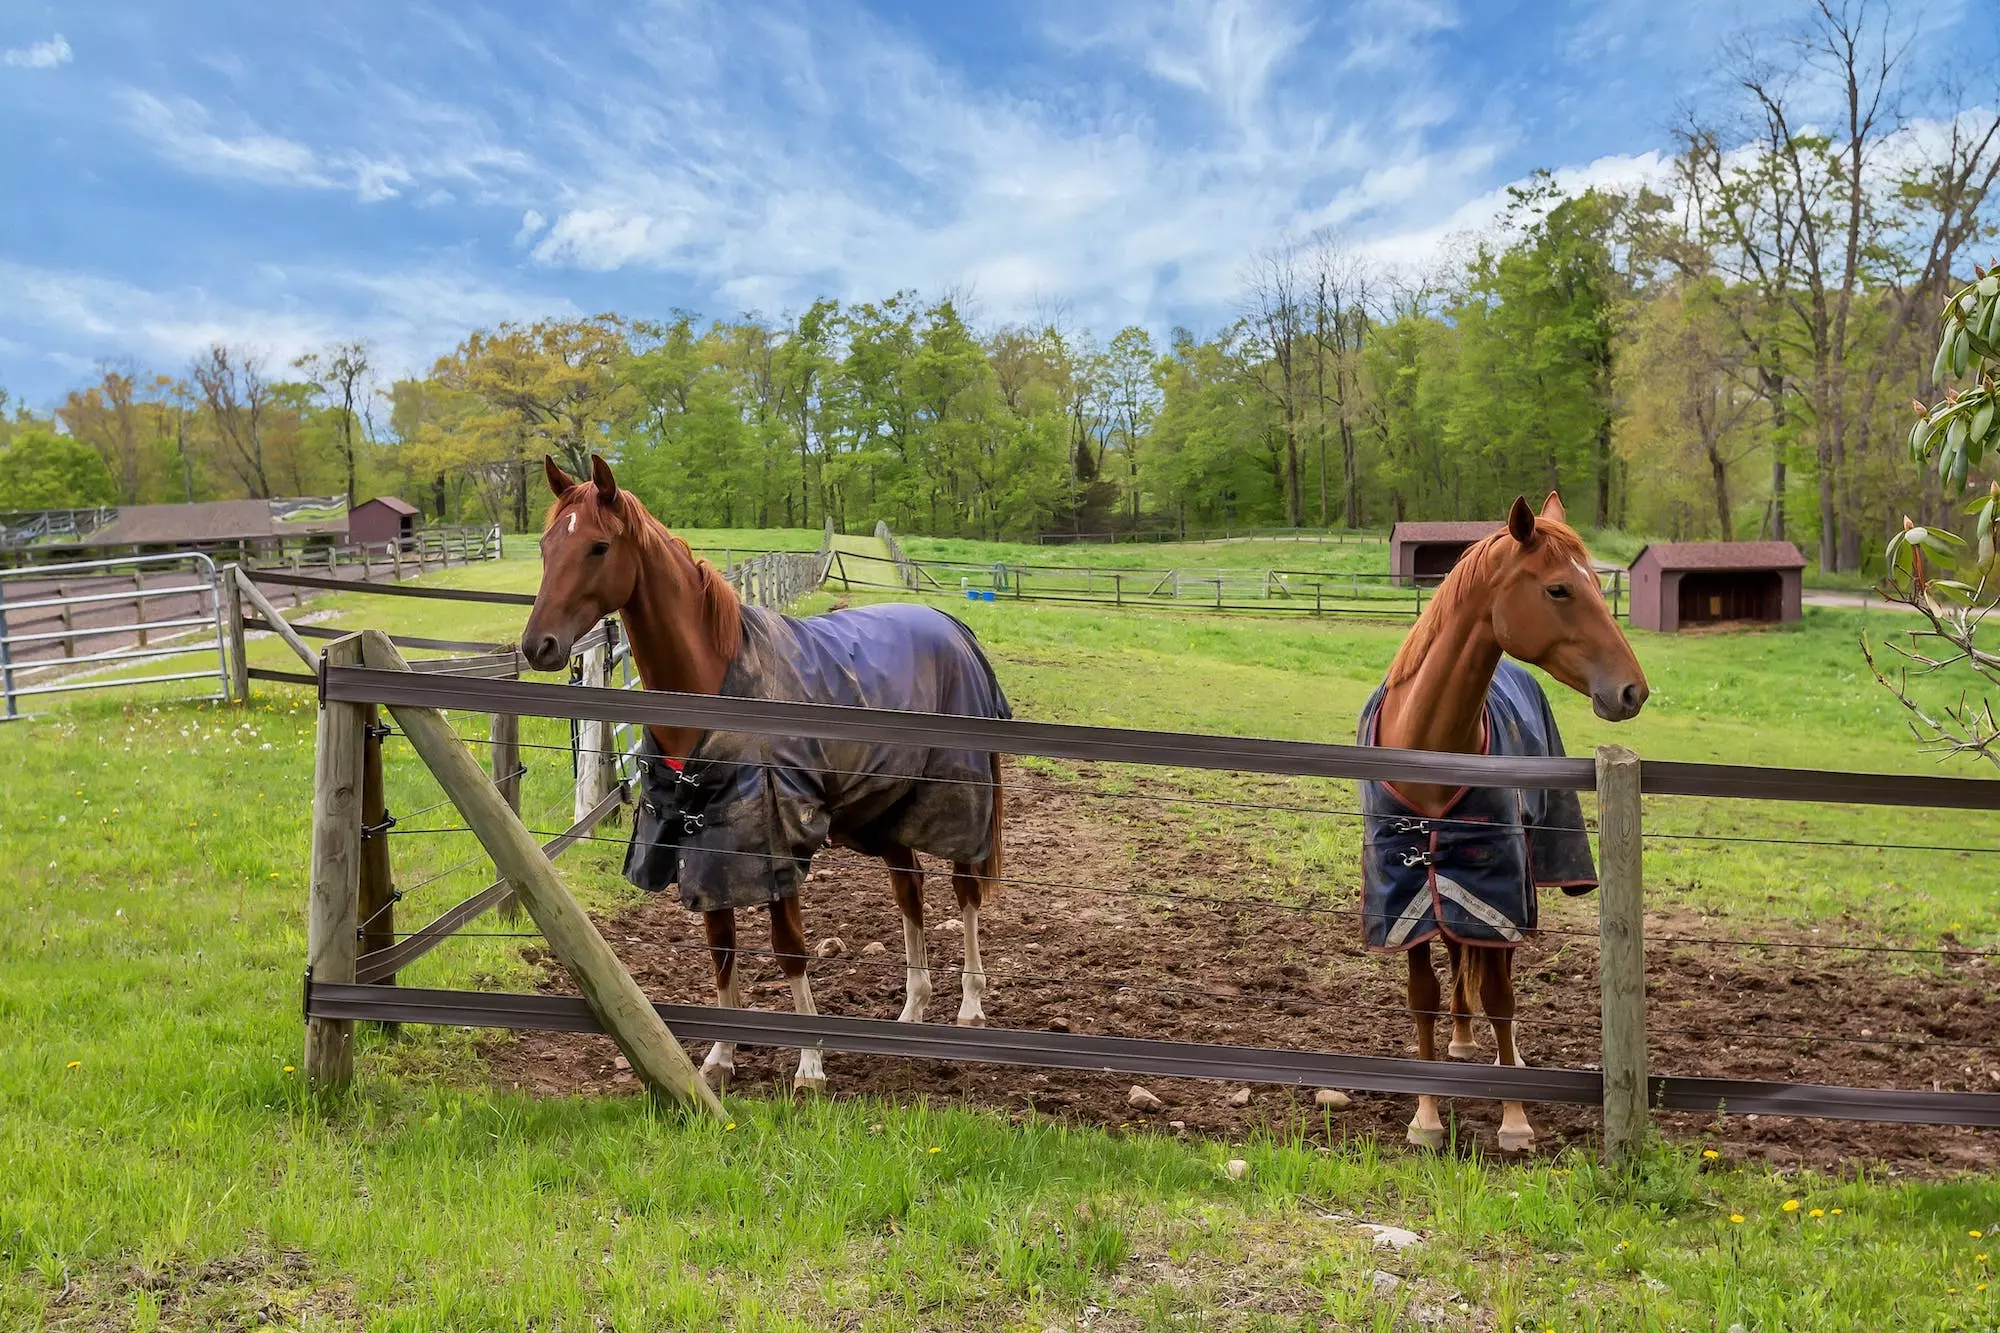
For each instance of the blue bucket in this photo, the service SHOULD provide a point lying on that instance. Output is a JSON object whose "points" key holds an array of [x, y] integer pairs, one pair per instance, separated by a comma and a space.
{"points": [[988, 595]]}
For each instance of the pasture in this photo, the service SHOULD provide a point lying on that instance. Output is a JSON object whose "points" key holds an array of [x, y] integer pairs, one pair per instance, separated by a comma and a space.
{"points": [[165, 1169]]}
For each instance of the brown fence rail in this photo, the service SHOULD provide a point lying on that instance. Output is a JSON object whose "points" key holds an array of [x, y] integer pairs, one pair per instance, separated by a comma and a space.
{"points": [[1625, 1088]]}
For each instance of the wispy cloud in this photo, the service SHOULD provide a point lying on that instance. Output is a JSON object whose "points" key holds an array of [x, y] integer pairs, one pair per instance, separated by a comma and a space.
{"points": [[40, 55]]}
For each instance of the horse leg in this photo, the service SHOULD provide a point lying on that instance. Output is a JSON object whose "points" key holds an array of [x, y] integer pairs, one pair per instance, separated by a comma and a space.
{"points": [[1462, 1044], [907, 879], [967, 884], [721, 927], [788, 942], [1496, 997], [1427, 1130]]}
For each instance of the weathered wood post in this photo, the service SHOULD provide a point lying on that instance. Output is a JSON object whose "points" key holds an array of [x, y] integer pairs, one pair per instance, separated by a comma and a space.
{"points": [[507, 780], [139, 605], [1621, 915], [615, 998], [593, 739], [67, 615], [336, 872], [239, 665], [376, 897], [279, 625]]}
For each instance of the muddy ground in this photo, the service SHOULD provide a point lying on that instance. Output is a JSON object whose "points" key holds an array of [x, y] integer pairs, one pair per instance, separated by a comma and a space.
{"points": [[1094, 946]]}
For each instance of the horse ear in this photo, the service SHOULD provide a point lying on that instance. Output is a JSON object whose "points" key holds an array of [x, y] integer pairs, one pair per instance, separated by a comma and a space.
{"points": [[1552, 509], [600, 472], [1521, 521], [560, 481]]}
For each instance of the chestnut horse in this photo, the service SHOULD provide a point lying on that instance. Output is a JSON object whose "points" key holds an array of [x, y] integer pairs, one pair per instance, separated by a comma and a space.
{"points": [[736, 818], [1527, 591]]}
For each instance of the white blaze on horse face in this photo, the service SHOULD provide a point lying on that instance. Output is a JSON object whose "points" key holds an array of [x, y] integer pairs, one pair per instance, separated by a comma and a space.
{"points": [[572, 520]]}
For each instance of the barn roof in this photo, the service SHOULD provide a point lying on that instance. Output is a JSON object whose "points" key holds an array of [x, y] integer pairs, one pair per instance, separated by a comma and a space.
{"points": [[390, 503], [1680, 556], [215, 521], [1444, 532]]}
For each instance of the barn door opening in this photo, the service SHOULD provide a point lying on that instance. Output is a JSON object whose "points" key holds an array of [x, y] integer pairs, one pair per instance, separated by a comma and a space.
{"points": [[1731, 595]]}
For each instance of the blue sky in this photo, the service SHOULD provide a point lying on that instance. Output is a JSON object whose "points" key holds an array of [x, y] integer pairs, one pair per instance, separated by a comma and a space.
{"points": [[286, 175]]}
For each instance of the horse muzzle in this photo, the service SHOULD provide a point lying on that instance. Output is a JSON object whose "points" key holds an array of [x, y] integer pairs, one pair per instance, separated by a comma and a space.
{"points": [[1619, 701], [545, 652]]}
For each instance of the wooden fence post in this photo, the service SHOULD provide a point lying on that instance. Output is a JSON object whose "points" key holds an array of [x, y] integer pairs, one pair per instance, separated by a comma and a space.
{"points": [[623, 1009], [507, 778], [139, 605], [336, 872], [593, 739], [376, 896], [239, 665], [1621, 914]]}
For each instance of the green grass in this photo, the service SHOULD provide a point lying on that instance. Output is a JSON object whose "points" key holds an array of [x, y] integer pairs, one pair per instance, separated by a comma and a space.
{"points": [[152, 1137]]}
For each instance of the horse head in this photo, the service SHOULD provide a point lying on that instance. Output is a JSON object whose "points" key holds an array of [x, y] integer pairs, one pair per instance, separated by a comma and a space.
{"points": [[1547, 609], [590, 563]]}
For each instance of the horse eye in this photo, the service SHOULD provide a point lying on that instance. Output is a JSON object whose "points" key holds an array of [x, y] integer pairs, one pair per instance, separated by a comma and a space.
{"points": [[1559, 591], [599, 548]]}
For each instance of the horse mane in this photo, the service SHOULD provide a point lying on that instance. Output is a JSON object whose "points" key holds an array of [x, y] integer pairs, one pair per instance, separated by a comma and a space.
{"points": [[718, 606], [1468, 574]]}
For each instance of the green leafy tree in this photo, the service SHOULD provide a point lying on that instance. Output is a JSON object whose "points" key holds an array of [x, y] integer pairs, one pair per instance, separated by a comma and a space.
{"points": [[43, 470]]}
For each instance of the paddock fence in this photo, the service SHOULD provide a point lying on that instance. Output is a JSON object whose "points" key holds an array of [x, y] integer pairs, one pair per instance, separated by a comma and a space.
{"points": [[342, 987], [79, 626]]}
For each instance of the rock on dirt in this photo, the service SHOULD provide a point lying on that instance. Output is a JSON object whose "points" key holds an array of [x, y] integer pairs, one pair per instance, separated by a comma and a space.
{"points": [[1333, 1099], [1385, 1282], [1236, 1168], [1058, 1025], [1139, 1099], [621, 1064], [1392, 1238], [1240, 1097], [951, 925], [832, 947], [874, 949]]}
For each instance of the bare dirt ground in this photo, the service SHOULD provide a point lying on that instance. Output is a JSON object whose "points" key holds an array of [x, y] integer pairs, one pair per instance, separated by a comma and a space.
{"points": [[1103, 956]]}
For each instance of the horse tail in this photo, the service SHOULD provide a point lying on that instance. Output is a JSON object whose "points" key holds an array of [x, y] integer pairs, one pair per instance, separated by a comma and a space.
{"points": [[1468, 977], [990, 866]]}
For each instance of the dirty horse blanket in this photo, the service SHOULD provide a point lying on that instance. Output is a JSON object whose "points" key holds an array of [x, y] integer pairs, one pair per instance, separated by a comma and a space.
{"points": [[737, 824], [1471, 873]]}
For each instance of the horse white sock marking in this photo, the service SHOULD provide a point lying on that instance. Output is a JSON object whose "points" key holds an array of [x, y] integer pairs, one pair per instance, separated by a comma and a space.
{"points": [[917, 976], [722, 1056], [811, 1075], [971, 1013]]}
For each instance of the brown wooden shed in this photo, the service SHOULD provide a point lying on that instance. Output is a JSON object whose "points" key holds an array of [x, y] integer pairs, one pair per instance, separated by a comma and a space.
{"points": [[383, 519], [1675, 584], [1426, 552]]}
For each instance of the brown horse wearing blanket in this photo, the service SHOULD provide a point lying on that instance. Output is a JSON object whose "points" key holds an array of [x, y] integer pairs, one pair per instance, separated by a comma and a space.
{"points": [[1528, 592], [734, 819]]}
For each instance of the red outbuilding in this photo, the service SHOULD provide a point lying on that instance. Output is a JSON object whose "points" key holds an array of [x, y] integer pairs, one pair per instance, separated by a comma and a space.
{"points": [[1676, 584], [383, 519], [1425, 552]]}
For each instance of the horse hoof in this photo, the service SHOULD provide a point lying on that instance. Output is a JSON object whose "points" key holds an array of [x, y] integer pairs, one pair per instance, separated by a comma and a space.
{"points": [[811, 1084], [1517, 1140], [972, 1020], [1465, 1051], [1426, 1138], [717, 1077]]}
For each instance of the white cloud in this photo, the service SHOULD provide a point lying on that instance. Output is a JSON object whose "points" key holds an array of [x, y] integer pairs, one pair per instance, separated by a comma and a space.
{"points": [[39, 55], [409, 316], [181, 129]]}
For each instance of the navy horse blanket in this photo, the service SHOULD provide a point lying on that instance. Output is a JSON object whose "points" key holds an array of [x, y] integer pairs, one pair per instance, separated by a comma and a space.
{"points": [[1470, 874], [736, 823]]}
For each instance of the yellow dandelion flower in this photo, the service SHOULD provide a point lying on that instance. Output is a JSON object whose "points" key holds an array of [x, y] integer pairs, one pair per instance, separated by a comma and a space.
{"points": [[1790, 1205], [1836, 1212], [1979, 1258], [288, 1069], [74, 1064], [1736, 1217], [935, 1150], [730, 1125], [1710, 1153], [1817, 1212], [1976, 1235]]}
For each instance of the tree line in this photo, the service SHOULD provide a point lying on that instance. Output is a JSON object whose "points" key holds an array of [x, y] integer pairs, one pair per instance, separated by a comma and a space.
{"points": [[1729, 353]]}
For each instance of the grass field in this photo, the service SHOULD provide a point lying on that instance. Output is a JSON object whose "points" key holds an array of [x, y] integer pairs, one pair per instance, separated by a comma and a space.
{"points": [[164, 1169]]}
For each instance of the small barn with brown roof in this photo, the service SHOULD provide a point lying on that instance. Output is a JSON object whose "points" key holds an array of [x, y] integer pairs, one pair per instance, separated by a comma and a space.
{"points": [[241, 524], [1676, 584], [1425, 552], [383, 519]]}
